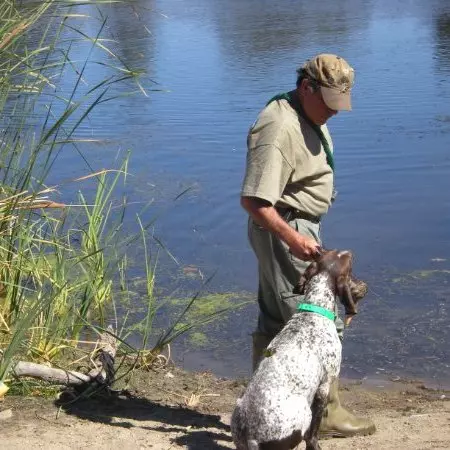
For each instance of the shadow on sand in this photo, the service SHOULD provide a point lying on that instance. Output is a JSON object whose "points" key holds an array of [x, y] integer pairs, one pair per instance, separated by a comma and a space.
{"points": [[127, 411]]}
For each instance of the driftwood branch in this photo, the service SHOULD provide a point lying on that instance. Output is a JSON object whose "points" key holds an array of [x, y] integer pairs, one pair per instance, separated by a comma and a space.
{"points": [[50, 374], [102, 374]]}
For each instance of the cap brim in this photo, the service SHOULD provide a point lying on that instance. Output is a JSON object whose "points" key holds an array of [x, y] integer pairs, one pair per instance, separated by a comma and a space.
{"points": [[339, 101]]}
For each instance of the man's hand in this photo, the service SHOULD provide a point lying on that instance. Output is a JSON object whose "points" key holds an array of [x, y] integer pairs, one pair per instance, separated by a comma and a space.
{"points": [[302, 247], [305, 248]]}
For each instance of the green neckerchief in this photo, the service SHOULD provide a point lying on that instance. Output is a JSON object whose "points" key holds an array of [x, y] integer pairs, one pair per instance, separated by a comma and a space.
{"points": [[316, 309], [299, 110]]}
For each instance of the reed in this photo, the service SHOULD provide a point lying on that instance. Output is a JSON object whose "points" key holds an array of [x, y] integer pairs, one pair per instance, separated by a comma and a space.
{"points": [[63, 268]]}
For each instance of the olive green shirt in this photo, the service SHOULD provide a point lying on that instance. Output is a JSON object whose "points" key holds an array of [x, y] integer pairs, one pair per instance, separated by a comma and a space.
{"points": [[286, 163]]}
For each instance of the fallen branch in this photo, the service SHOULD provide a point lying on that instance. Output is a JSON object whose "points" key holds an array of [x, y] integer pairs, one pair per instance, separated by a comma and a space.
{"points": [[102, 374], [50, 374]]}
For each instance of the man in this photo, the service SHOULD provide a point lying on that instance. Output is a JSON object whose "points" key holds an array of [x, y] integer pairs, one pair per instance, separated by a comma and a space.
{"points": [[288, 187]]}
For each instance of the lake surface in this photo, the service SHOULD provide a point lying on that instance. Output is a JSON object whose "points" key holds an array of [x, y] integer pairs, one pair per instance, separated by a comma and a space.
{"points": [[218, 63]]}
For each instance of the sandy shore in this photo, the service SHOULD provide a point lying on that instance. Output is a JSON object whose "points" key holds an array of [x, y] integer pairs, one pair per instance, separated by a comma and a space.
{"points": [[173, 409]]}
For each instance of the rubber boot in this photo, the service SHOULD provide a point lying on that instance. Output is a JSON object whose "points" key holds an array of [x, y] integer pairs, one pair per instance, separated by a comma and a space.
{"points": [[338, 422], [260, 343]]}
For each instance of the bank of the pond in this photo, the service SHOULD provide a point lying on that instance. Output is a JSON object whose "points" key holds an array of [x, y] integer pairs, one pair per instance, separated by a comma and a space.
{"points": [[172, 408]]}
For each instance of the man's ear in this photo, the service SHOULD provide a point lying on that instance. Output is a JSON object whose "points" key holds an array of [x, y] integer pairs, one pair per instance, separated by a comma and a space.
{"points": [[312, 270], [306, 87]]}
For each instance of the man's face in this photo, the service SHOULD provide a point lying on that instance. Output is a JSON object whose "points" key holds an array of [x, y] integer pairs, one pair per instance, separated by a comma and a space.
{"points": [[314, 105]]}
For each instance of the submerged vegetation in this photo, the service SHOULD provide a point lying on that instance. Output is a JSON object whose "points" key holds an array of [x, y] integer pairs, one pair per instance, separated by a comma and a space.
{"points": [[64, 267]]}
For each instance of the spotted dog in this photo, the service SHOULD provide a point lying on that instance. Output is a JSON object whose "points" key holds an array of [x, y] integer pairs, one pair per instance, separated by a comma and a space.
{"points": [[286, 397]]}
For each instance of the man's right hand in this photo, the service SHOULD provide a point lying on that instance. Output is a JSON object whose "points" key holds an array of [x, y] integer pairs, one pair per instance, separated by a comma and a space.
{"points": [[263, 213], [305, 248]]}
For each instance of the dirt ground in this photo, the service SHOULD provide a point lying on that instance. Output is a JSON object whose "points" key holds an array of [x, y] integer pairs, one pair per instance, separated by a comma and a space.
{"points": [[172, 409]]}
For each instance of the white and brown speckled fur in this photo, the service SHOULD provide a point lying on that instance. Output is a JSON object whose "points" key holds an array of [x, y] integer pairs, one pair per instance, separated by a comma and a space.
{"points": [[285, 399]]}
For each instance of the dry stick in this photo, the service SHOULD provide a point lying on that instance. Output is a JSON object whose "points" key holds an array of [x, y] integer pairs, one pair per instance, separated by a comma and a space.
{"points": [[103, 371], [42, 204], [52, 375], [2, 319], [8, 37]]}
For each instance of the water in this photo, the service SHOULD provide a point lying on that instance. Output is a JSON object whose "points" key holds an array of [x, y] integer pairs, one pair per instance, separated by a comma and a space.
{"points": [[219, 63]]}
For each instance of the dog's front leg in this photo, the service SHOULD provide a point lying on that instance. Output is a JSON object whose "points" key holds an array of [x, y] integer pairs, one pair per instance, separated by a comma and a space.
{"points": [[317, 410]]}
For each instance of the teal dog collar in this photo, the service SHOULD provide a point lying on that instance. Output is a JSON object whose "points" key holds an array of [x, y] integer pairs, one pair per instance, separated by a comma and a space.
{"points": [[316, 309]]}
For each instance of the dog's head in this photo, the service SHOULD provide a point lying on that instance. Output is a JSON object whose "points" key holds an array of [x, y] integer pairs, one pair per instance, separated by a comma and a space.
{"points": [[338, 264]]}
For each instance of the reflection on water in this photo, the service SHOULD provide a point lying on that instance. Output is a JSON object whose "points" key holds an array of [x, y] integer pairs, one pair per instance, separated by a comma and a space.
{"points": [[218, 63], [442, 25], [262, 29]]}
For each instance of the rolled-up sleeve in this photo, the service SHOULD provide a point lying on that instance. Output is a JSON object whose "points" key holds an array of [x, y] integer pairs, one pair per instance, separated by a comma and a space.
{"points": [[267, 173]]}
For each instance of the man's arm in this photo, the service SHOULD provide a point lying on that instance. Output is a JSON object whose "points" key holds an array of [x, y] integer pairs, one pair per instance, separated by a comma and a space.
{"points": [[265, 215]]}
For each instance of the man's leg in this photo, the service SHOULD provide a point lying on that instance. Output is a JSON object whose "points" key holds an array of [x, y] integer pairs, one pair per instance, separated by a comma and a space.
{"points": [[338, 421], [279, 272]]}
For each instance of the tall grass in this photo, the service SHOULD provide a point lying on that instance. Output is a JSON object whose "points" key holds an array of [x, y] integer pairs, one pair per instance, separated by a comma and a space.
{"points": [[60, 266]]}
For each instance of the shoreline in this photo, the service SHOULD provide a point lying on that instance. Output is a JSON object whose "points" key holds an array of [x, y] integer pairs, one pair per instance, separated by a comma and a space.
{"points": [[174, 409]]}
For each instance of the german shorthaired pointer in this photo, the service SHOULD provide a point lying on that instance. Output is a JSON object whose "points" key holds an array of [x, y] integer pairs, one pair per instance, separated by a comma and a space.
{"points": [[286, 397]]}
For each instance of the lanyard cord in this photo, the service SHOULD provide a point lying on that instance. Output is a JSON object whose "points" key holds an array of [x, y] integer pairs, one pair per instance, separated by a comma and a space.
{"points": [[299, 110]]}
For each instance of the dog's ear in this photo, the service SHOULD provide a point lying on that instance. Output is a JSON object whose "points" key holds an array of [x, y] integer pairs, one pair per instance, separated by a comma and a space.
{"points": [[345, 294], [311, 270]]}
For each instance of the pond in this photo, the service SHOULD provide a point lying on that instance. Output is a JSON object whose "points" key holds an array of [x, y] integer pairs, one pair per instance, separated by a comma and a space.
{"points": [[216, 64]]}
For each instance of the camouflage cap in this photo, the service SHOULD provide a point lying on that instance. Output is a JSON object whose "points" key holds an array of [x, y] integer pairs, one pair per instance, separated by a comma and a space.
{"points": [[335, 78]]}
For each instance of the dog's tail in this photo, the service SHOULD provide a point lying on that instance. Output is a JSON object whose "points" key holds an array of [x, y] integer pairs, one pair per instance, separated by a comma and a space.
{"points": [[239, 430], [238, 427]]}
